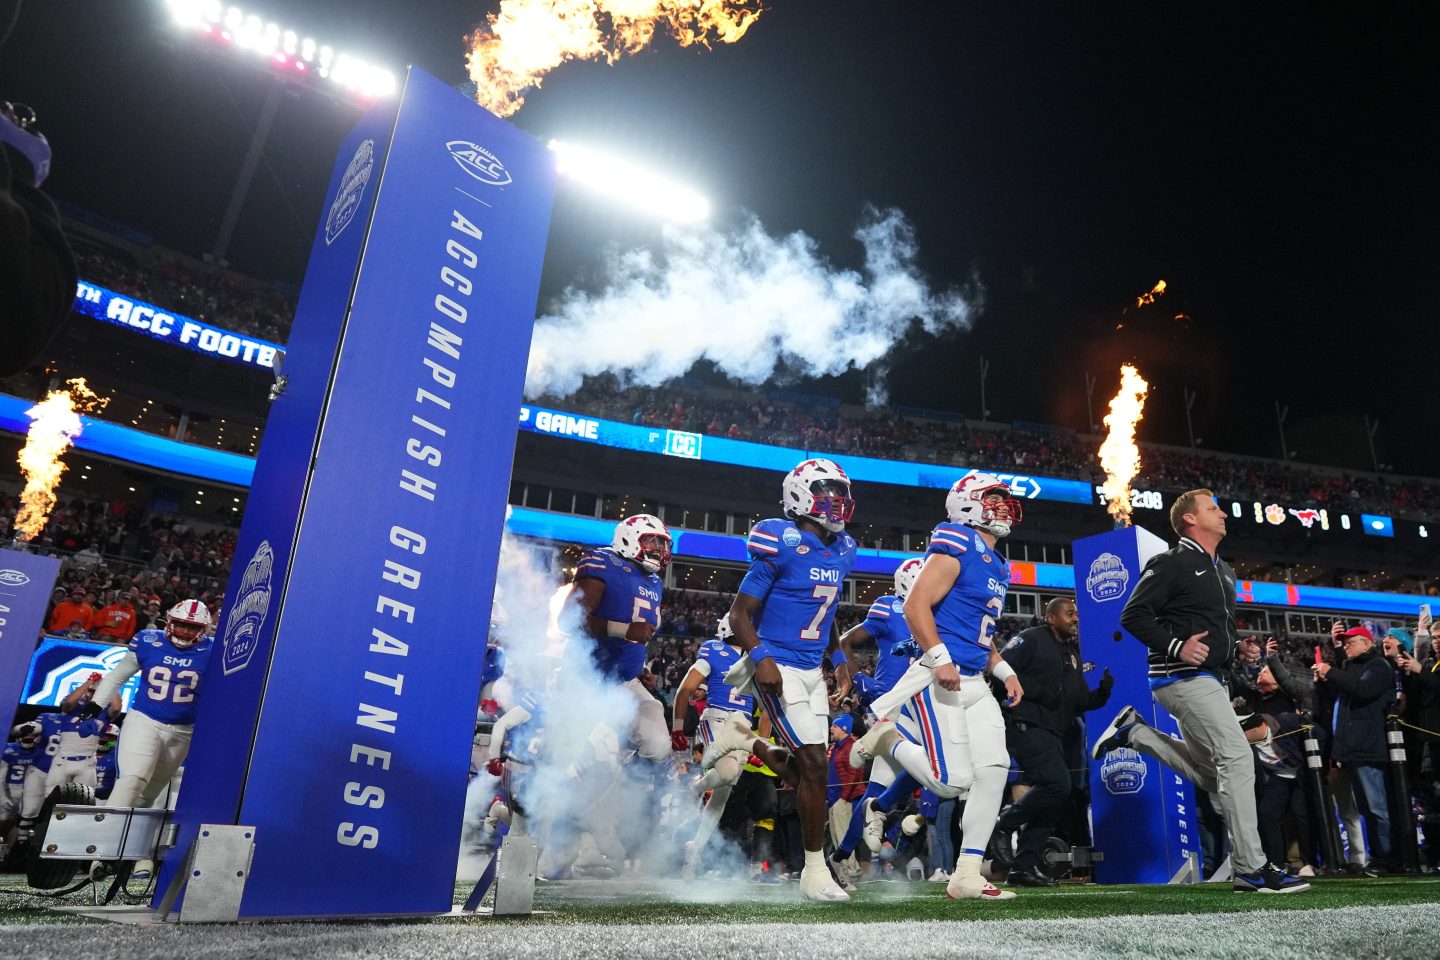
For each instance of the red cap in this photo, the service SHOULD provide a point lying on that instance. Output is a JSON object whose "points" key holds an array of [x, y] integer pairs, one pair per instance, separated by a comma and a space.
{"points": [[1359, 632]]}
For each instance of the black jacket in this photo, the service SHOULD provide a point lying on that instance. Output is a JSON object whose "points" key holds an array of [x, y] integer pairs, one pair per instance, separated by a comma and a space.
{"points": [[1183, 592], [1365, 689], [1055, 687]]}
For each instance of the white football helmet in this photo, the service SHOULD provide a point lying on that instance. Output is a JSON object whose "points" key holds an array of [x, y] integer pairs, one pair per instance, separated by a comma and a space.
{"points": [[723, 630], [819, 490], [905, 576], [983, 501], [187, 622], [643, 539]]}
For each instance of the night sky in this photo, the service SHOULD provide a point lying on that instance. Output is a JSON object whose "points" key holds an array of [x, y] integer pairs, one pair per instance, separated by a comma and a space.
{"points": [[1274, 163]]}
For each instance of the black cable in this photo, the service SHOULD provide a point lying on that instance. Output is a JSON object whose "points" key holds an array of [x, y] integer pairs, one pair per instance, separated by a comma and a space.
{"points": [[36, 893]]}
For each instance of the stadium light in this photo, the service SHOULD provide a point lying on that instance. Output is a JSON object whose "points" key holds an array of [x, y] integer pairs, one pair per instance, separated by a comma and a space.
{"points": [[281, 46], [628, 183]]}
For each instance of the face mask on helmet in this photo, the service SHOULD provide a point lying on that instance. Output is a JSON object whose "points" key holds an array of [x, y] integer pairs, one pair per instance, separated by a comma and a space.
{"points": [[643, 539], [819, 490], [982, 501]]}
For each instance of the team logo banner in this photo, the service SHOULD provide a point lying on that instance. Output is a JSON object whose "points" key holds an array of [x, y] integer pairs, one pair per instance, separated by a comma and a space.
{"points": [[348, 659], [93, 300], [26, 580]]}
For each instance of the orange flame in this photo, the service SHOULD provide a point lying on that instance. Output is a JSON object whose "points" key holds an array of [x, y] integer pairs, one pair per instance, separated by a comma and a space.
{"points": [[55, 423], [1156, 292], [1119, 456], [526, 39]]}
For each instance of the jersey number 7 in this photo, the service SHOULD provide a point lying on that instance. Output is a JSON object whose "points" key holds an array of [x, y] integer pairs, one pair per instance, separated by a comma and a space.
{"points": [[826, 592]]}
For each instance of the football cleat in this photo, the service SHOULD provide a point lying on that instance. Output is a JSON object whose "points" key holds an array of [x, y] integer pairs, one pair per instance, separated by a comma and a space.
{"points": [[735, 736], [983, 501], [1270, 879], [975, 888], [875, 742], [1117, 734], [873, 832], [818, 884]]}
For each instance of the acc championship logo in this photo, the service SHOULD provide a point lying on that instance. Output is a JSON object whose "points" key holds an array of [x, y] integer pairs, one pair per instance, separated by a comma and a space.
{"points": [[479, 162], [247, 616], [13, 578], [791, 536], [351, 191], [1107, 578], [1123, 771]]}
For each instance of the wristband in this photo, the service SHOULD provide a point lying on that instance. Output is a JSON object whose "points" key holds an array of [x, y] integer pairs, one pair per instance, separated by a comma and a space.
{"points": [[614, 628], [1003, 671], [761, 651], [677, 725], [935, 656], [836, 658]]}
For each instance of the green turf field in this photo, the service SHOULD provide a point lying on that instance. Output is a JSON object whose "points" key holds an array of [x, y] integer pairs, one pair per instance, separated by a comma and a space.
{"points": [[639, 919]]}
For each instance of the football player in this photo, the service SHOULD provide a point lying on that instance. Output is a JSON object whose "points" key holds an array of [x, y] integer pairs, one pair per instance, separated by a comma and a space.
{"points": [[784, 618], [885, 625], [17, 758], [66, 753], [619, 589], [713, 660], [105, 766], [952, 611], [156, 735]]}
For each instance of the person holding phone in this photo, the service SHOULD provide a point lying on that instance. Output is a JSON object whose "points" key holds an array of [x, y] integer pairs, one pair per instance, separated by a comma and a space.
{"points": [[1420, 671]]}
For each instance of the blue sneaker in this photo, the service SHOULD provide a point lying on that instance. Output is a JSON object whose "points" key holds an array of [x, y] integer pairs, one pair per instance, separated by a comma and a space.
{"points": [[1117, 734], [1270, 879]]}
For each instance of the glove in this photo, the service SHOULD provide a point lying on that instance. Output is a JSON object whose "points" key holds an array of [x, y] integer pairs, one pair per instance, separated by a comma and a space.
{"points": [[678, 741], [490, 708], [906, 648], [496, 766], [1106, 680], [742, 675], [89, 710]]}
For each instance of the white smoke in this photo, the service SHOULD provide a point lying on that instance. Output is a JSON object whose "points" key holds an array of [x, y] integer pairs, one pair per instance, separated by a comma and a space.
{"points": [[746, 301]]}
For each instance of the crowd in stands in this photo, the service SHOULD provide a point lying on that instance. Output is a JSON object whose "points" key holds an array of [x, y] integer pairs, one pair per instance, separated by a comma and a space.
{"points": [[115, 556], [1033, 449], [217, 297]]}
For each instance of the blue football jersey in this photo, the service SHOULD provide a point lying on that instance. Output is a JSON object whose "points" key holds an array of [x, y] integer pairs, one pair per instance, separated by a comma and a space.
{"points": [[104, 774], [965, 617], [631, 595], [18, 760], [886, 623], [493, 666], [169, 676], [719, 657], [53, 726], [797, 577]]}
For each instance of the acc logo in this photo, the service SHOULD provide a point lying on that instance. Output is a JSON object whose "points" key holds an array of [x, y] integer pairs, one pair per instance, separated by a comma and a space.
{"points": [[247, 615], [791, 536], [351, 191], [1107, 578], [13, 578], [1123, 771], [802, 549], [479, 162]]}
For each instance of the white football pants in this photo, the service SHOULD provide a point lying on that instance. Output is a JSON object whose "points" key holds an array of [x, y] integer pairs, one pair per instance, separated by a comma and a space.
{"points": [[147, 756]]}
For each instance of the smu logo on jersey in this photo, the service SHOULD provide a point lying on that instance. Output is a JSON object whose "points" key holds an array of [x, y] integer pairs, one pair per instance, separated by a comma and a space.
{"points": [[825, 575], [479, 162], [1123, 771], [13, 578], [649, 593], [1107, 578]]}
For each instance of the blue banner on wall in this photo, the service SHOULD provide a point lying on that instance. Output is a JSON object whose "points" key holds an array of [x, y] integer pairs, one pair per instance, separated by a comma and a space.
{"points": [[1142, 813], [357, 794], [93, 300], [26, 581], [60, 664]]}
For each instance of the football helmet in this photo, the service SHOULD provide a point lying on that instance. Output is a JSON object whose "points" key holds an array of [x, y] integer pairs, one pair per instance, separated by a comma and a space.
{"points": [[108, 736], [28, 734], [186, 623], [983, 501], [643, 539], [906, 574], [722, 629], [819, 490]]}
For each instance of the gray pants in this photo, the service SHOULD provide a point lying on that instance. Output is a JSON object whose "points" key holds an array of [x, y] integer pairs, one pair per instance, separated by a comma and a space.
{"points": [[1214, 755]]}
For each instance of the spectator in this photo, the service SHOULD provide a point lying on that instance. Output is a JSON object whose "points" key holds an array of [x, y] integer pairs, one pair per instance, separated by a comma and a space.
{"points": [[844, 784], [115, 623], [72, 613], [1364, 687]]}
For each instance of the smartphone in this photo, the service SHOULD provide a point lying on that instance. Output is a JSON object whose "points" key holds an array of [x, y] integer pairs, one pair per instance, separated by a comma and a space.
{"points": [[1424, 611]]}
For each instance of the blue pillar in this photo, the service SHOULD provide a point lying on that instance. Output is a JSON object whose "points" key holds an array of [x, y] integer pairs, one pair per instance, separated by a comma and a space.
{"points": [[337, 712], [1142, 812]]}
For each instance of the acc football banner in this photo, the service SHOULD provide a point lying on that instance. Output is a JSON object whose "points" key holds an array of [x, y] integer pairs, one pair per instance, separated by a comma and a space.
{"points": [[26, 580], [93, 300], [338, 710], [1141, 810]]}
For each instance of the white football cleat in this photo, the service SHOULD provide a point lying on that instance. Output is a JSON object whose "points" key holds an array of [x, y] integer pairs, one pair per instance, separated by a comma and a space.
{"points": [[143, 870], [875, 742], [874, 831], [820, 885], [974, 888], [735, 736]]}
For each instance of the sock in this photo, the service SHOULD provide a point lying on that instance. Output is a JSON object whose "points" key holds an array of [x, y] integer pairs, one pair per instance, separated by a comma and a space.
{"points": [[967, 865], [815, 860], [710, 817], [851, 840], [903, 787]]}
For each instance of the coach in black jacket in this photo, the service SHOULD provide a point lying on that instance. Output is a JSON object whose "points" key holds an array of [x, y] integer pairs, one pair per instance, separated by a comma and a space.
{"points": [[1183, 611], [1047, 661]]}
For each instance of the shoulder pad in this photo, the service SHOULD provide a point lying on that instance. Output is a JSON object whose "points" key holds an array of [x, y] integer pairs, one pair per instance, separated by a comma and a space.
{"points": [[952, 539], [881, 607], [769, 537]]}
